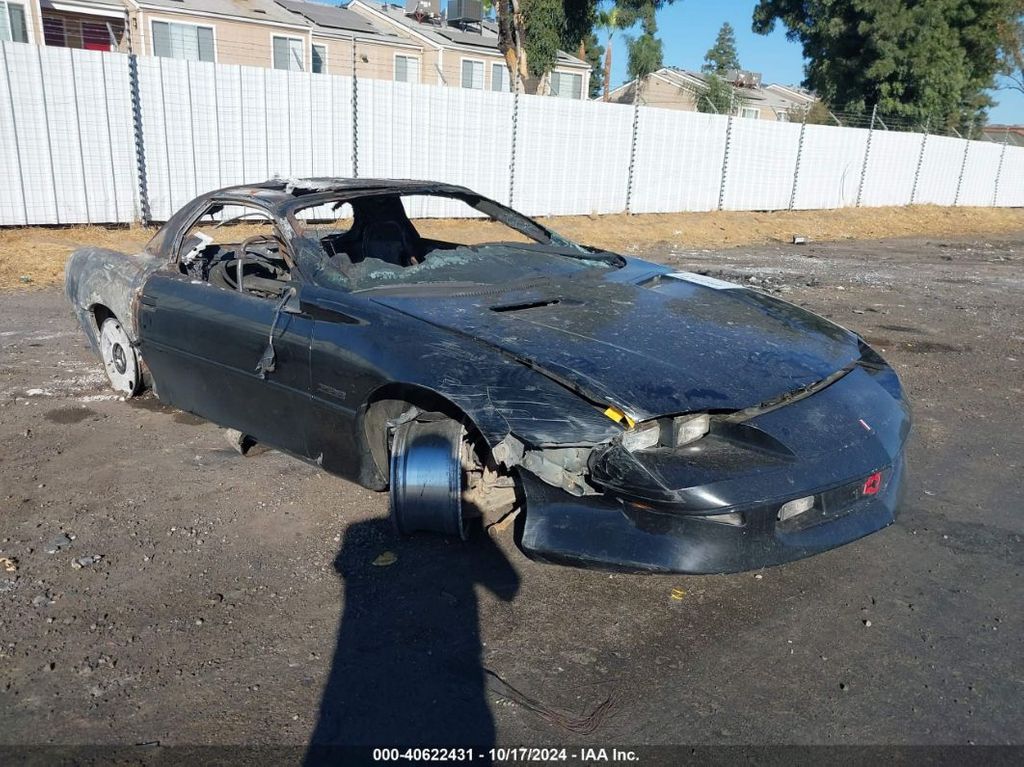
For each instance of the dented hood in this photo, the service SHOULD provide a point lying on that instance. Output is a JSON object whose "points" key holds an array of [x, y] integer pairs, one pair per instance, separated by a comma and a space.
{"points": [[668, 346]]}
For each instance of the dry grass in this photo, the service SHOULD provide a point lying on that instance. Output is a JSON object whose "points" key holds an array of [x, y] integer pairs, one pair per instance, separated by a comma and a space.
{"points": [[35, 256], [729, 229]]}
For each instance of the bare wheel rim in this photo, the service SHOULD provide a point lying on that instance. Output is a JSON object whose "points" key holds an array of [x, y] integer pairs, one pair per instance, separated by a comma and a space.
{"points": [[119, 358], [426, 477]]}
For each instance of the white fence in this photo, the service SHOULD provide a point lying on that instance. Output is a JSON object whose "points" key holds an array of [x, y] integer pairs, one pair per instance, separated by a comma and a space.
{"points": [[74, 149]]}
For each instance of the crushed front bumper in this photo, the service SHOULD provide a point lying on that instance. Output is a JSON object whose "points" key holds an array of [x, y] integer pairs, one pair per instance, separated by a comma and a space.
{"points": [[827, 446], [605, 533]]}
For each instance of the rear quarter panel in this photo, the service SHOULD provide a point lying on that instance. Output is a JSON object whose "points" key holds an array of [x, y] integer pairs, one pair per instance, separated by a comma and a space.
{"points": [[100, 277]]}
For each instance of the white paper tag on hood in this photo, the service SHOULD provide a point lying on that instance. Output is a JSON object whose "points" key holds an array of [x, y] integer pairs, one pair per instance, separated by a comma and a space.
{"points": [[708, 282]]}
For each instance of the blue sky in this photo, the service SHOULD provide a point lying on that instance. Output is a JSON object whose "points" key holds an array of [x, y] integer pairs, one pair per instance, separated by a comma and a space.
{"points": [[688, 28]]}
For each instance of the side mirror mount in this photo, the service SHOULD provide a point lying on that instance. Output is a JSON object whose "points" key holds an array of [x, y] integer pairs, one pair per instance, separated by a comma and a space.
{"points": [[291, 303]]}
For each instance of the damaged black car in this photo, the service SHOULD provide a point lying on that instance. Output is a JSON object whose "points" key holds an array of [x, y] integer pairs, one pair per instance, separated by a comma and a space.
{"points": [[613, 412]]}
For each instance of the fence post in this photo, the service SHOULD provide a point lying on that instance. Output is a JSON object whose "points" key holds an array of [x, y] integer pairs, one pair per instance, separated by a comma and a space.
{"points": [[725, 162], [140, 146], [867, 153], [999, 169], [46, 128], [632, 146], [796, 168], [355, 115], [920, 160], [515, 132], [963, 165], [14, 118]]}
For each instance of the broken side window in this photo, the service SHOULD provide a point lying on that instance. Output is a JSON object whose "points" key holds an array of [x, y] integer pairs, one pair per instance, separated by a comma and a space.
{"points": [[232, 243]]}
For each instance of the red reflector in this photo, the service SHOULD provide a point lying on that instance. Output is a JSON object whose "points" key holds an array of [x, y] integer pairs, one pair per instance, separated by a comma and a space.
{"points": [[872, 484]]}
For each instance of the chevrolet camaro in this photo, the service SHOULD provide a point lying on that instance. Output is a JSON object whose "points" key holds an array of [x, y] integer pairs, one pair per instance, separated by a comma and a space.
{"points": [[422, 339]]}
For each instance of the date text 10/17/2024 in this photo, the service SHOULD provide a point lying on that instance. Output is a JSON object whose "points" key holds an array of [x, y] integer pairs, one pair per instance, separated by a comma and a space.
{"points": [[505, 754]]}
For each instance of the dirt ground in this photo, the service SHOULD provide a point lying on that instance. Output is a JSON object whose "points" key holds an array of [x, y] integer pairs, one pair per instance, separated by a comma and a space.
{"points": [[35, 256], [196, 597]]}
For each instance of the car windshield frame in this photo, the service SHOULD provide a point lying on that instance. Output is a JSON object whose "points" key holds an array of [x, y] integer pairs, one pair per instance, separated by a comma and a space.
{"points": [[492, 209], [539, 237]]}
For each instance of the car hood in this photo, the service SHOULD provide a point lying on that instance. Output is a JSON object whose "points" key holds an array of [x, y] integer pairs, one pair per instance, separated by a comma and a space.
{"points": [[677, 343]]}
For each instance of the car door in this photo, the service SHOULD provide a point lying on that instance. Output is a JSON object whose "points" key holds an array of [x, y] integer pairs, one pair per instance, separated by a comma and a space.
{"points": [[203, 345]]}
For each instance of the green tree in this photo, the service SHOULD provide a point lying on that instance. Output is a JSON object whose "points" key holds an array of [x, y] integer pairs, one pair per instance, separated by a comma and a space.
{"points": [[543, 21], [531, 32], [717, 97], [722, 56], [1011, 49], [818, 114], [609, 20], [645, 50], [928, 61], [593, 52]]}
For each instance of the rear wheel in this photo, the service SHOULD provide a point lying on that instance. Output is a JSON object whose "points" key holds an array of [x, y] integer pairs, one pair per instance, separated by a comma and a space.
{"points": [[119, 358]]}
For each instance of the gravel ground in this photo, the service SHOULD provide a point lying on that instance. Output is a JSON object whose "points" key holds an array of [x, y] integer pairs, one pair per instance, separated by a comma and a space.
{"points": [[157, 587]]}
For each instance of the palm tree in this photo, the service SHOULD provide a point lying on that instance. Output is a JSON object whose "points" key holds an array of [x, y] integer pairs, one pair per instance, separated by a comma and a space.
{"points": [[608, 20]]}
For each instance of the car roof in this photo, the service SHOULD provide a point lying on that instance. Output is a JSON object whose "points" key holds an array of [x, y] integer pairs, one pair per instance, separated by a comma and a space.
{"points": [[284, 191]]}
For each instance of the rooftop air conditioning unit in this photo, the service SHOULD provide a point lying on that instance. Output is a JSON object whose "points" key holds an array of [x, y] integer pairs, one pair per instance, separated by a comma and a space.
{"points": [[465, 11]]}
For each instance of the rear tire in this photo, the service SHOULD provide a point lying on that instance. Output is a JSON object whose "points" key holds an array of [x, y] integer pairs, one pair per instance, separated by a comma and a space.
{"points": [[426, 477], [120, 360]]}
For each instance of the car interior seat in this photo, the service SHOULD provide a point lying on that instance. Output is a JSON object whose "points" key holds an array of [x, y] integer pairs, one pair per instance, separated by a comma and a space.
{"points": [[387, 241]]}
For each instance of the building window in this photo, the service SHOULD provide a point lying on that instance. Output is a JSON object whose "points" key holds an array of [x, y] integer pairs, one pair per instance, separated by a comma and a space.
{"points": [[318, 59], [288, 53], [750, 112], [566, 85], [12, 22], [54, 32], [407, 69], [499, 78], [69, 32], [472, 74], [182, 41]]}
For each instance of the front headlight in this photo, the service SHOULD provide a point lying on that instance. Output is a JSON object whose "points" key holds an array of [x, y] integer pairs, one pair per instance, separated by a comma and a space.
{"points": [[642, 436], [689, 428], [668, 432]]}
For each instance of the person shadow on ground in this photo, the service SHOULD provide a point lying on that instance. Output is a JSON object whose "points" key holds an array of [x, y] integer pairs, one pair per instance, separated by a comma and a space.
{"points": [[407, 668]]}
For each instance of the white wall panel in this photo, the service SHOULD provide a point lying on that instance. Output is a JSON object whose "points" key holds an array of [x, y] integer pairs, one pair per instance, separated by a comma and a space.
{"points": [[940, 169], [63, 136], [25, 84], [298, 102], [978, 185], [1011, 179], [278, 121], [830, 167], [436, 133], [13, 206], [762, 158], [253, 129], [331, 127], [204, 114], [572, 157], [65, 157], [892, 162], [678, 163], [230, 149]]}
